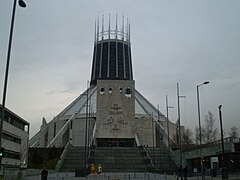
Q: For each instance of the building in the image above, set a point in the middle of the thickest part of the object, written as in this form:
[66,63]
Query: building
[15,138]
[212,156]
[110,112]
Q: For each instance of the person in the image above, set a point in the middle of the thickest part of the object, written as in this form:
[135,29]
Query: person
[44,174]
[203,172]
[92,169]
[99,169]
[180,172]
[185,172]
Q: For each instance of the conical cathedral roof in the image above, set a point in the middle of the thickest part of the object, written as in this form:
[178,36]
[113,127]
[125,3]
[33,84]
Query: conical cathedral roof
[78,107]
[111,61]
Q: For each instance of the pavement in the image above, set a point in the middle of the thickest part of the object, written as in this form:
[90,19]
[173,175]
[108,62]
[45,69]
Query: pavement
[125,176]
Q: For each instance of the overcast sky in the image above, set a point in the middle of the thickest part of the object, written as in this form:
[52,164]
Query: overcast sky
[184,41]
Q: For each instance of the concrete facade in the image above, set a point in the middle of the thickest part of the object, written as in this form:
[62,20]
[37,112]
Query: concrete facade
[15,138]
[110,111]
[145,130]
[115,109]
[111,115]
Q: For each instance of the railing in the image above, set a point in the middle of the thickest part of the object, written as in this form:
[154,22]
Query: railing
[174,155]
[148,157]
[62,130]
[62,157]
[90,147]
[214,143]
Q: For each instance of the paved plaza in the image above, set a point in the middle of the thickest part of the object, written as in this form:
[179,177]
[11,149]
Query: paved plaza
[126,176]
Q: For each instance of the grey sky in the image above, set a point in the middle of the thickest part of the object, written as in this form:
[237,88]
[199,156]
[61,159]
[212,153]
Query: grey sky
[172,41]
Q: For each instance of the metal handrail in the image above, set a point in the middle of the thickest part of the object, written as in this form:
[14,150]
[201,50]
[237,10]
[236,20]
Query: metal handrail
[62,157]
[61,131]
[148,157]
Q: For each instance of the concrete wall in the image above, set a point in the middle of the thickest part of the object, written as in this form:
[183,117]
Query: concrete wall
[145,130]
[78,131]
[115,109]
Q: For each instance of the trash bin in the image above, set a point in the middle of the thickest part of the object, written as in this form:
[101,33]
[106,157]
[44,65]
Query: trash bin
[214,173]
[224,173]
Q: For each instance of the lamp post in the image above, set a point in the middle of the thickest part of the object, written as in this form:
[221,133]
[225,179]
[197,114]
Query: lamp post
[220,119]
[22,4]
[168,107]
[179,124]
[224,168]
[199,121]
[86,132]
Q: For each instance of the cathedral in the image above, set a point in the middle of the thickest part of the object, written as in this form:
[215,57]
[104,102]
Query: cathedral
[110,112]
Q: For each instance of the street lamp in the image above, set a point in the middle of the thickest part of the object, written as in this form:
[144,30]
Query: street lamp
[168,107]
[22,4]
[224,168]
[199,120]
[179,124]
[220,118]
[86,131]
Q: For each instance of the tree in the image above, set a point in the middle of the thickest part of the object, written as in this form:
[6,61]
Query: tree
[187,137]
[209,130]
[234,133]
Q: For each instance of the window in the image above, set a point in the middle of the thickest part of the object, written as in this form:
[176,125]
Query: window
[11,138]
[120,90]
[102,90]
[11,154]
[128,92]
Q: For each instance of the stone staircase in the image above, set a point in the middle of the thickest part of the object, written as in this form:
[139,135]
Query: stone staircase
[112,159]
[162,160]
[121,159]
[74,159]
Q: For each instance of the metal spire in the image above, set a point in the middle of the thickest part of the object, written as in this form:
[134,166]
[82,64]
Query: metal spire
[95,35]
[116,25]
[109,26]
[102,25]
[129,31]
[123,27]
[97,28]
